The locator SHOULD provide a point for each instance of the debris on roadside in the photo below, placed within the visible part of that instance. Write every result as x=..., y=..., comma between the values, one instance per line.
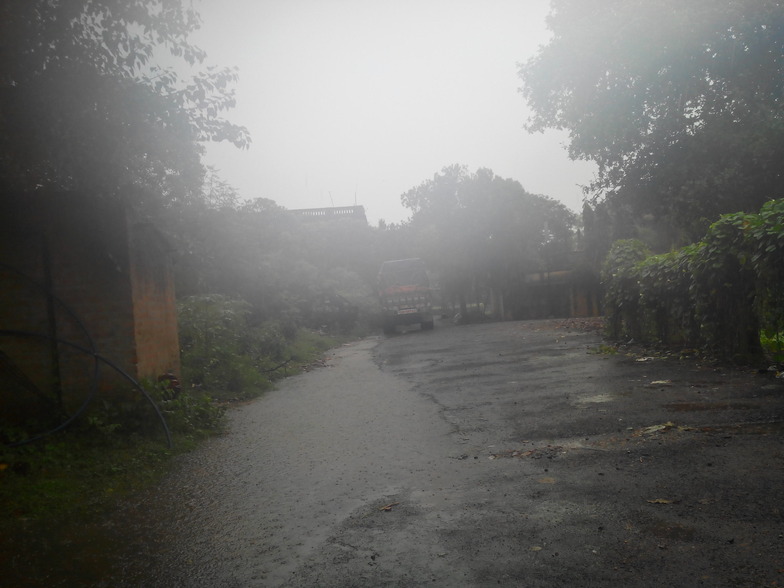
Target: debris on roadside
x=587, y=324
x=656, y=428
x=319, y=363
x=549, y=452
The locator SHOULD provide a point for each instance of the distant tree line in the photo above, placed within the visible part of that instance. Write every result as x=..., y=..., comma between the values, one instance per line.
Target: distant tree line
x=482, y=234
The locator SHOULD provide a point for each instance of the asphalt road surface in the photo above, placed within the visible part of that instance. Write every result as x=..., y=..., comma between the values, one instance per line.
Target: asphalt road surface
x=503, y=454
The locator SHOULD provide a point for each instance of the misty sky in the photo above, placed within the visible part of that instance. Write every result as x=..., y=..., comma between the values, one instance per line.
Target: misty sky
x=361, y=100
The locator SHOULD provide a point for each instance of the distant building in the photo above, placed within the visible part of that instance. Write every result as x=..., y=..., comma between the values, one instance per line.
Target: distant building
x=565, y=293
x=331, y=213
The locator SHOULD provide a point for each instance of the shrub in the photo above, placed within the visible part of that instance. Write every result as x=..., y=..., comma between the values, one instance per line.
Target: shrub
x=621, y=287
x=222, y=354
x=724, y=294
x=228, y=356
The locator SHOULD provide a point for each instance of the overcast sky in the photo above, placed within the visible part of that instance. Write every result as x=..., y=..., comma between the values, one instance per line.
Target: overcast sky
x=357, y=101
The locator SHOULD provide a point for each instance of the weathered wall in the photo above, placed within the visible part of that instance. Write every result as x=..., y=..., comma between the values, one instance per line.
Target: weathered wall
x=68, y=267
x=154, y=304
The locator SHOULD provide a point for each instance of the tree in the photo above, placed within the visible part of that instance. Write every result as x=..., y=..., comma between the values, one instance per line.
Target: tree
x=83, y=105
x=482, y=233
x=679, y=103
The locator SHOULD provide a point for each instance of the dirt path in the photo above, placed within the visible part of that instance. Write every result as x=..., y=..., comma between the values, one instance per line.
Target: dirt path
x=497, y=454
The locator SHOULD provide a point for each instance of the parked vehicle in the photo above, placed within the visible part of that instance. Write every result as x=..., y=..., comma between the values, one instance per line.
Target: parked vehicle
x=405, y=295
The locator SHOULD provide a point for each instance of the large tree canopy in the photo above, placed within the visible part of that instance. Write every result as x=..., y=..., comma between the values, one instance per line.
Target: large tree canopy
x=84, y=106
x=481, y=231
x=679, y=103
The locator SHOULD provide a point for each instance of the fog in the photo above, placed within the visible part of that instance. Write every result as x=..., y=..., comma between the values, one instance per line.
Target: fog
x=357, y=101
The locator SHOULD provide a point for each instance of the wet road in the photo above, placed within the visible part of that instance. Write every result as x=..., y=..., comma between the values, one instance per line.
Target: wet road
x=497, y=454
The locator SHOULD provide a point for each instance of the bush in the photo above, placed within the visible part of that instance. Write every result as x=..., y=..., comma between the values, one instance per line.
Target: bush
x=226, y=355
x=621, y=287
x=221, y=353
x=724, y=294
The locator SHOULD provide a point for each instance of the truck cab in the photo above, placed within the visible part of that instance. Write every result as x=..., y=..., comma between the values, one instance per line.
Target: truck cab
x=405, y=295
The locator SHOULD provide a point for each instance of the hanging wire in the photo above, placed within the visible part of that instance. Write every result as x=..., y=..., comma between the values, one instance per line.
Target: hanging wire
x=93, y=387
x=90, y=350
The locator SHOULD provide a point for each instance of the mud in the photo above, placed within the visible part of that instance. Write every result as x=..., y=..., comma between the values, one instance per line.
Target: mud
x=506, y=454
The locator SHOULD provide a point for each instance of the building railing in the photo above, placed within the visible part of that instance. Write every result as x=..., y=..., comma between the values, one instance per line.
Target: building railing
x=357, y=212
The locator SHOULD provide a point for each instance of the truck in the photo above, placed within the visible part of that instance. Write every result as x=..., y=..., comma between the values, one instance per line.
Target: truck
x=405, y=295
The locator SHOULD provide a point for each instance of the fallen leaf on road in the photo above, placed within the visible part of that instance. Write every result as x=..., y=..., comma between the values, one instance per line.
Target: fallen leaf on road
x=657, y=428
x=663, y=501
x=546, y=480
x=536, y=548
x=389, y=506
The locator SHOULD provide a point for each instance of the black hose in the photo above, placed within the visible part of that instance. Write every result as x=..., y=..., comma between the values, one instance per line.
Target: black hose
x=93, y=387
x=90, y=351
x=47, y=291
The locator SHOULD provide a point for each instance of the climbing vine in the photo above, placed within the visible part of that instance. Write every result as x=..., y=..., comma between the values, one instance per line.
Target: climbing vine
x=724, y=294
x=621, y=287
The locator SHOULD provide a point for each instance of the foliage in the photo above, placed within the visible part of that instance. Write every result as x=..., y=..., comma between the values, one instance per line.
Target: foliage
x=603, y=350
x=73, y=471
x=312, y=274
x=481, y=232
x=621, y=286
x=189, y=413
x=228, y=356
x=308, y=346
x=679, y=103
x=723, y=294
x=773, y=344
x=85, y=105
x=234, y=249
x=221, y=352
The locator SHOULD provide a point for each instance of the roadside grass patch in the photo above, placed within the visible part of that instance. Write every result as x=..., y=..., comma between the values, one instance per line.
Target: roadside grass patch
x=75, y=474
x=603, y=349
x=118, y=449
x=773, y=343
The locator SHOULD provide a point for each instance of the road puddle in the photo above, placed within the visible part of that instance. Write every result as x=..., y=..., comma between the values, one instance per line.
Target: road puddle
x=595, y=399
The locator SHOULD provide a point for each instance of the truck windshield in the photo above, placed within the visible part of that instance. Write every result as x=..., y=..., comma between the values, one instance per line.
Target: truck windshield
x=403, y=272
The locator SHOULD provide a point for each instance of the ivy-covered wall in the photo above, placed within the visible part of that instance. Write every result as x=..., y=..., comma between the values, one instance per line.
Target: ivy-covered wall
x=724, y=294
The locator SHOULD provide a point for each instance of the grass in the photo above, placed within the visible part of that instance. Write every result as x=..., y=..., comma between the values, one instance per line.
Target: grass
x=83, y=471
x=74, y=475
x=54, y=497
x=603, y=349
